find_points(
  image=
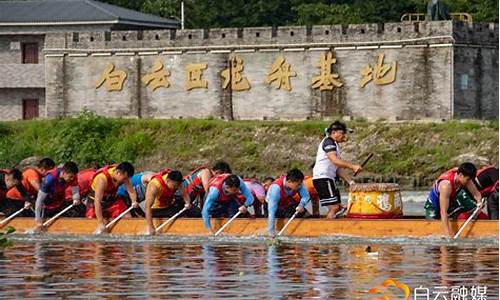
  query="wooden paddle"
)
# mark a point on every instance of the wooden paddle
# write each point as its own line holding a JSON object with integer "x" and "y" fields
{"x": 476, "y": 211}
{"x": 227, "y": 223}
{"x": 365, "y": 162}
{"x": 49, "y": 221}
{"x": 119, "y": 217}
{"x": 170, "y": 220}
{"x": 288, "y": 223}
{"x": 5, "y": 221}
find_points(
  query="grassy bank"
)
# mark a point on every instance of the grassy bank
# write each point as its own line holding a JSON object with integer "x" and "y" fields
{"x": 402, "y": 150}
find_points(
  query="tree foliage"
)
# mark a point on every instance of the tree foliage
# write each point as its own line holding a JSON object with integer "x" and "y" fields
{"x": 248, "y": 13}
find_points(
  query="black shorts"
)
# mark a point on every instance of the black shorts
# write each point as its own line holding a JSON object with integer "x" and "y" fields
{"x": 327, "y": 191}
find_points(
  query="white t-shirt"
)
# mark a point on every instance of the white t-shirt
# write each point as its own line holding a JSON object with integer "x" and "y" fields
{"x": 324, "y": 168}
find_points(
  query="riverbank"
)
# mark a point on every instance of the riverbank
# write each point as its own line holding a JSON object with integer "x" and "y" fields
{"x": 410, "y": 153}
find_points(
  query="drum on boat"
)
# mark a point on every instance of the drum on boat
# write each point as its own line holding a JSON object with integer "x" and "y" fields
{"x": 375, "y": 201}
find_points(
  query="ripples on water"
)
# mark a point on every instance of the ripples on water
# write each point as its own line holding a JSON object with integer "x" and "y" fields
{"x": 161, "y": 269}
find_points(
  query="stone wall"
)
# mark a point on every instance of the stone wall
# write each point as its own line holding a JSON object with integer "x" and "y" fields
{"x": 11, "y": 102}
{"x": 430, "y": 56}
{"x": 11, "y": 47}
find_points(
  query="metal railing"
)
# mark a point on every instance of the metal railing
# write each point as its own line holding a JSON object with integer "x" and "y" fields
{"x": 417, "y": 17}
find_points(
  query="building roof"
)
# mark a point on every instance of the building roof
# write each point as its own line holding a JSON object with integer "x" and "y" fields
{"x": 75, "y": 12}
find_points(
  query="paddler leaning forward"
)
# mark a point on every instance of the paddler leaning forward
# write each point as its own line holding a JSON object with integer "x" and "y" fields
{"x": 102, "y": 200}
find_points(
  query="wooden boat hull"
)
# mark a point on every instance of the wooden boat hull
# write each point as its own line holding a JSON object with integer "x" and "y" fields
{"x": 299, "y": 227}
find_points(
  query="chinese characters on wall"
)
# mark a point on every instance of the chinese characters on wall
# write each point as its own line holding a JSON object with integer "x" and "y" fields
{"x": 279, "y": 75}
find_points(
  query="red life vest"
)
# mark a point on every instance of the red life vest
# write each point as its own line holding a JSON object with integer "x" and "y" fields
{"x": 57, "y": 198}
{"x": 449, "y": 175}
{"x": 285, "y": 201}
{"x": 217, "y": 182}
{"x": 167, "y": 194}
{"x": 111, "y": 189}
{"x": 486, "y": 190}
{"x": 194, "y": 185}
{"x": 84, "y": 178}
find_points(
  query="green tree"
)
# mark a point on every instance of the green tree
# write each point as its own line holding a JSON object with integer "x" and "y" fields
{"x": 245, "y": 13}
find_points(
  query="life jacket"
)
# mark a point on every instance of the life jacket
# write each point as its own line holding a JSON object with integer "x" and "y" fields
{"x": 57, "y": 196}
{"x": 111, "y": 188}
{"x": 217, "y": 182}
{"x": 490, "y": 186}
{"x": 27, "y": 184}
{"x": 194, "y": 185}
{"x": 449, "y": 175}
{"x": 167, "y": 194}
{"x": 84, "y": 178}
{"x": 285, "y": 200}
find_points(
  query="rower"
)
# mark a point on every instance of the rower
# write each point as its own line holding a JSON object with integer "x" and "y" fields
{"x": 32, "y": 179}
{"x": 160, "y": 196}
{"x": 258, "y": 192}
{"x": 102, "y": 201}
{"x": 222, "y": 198}
{"x": 280, "y": 198}
{"x": 11, "y": 179}
{"x": 313, "y": 194}
{"x": 442, "y": 202}
{"x": 487, "y": 183}
{"x": 139, "y": 182}
{"x": 51, "y": 198}
{"x": 197, "y": 182}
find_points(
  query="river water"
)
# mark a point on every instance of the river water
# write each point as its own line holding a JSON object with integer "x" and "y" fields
{"x": 213, "y": 268}
{"x": 163, "y": 267}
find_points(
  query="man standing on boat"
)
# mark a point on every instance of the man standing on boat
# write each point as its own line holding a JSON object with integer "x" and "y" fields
{"x": 442, "y": 202}
{"x": 329, "y": 166}
{"x": 281, "y": 198}
{"x": 51, "y": 197}
{"x": 160, "y": 196}
{"x": 102, "y": 200}
{"x": 222, "y": 198}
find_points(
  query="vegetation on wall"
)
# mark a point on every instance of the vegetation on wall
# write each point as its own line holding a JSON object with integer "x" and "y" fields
{"x": 251, "y": 147}
{"x": 247, "y": 13}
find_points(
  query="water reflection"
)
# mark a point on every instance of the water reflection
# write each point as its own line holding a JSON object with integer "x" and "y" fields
{"x": 85, "y": 270}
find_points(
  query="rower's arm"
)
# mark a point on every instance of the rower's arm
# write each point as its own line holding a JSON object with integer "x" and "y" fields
{"x": 212, "y": 196}
{"x": 151, "y": 192}
{"x": 43, "y": 193}
{"x": 99, "y": 194}
{"x": 185, "y": 196}
{"x": 444, "y": 203}
{"x": 131, "y": 191}
{"x": 205, "y": 178}
{"x": 273, "y": 199}
{"x": 474, "y": 191}
{"x": 75, "y": 194}
{"x": 41, "y": 196}
{"x": 246, "y": 193}
{"x": 304, "y": 196}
